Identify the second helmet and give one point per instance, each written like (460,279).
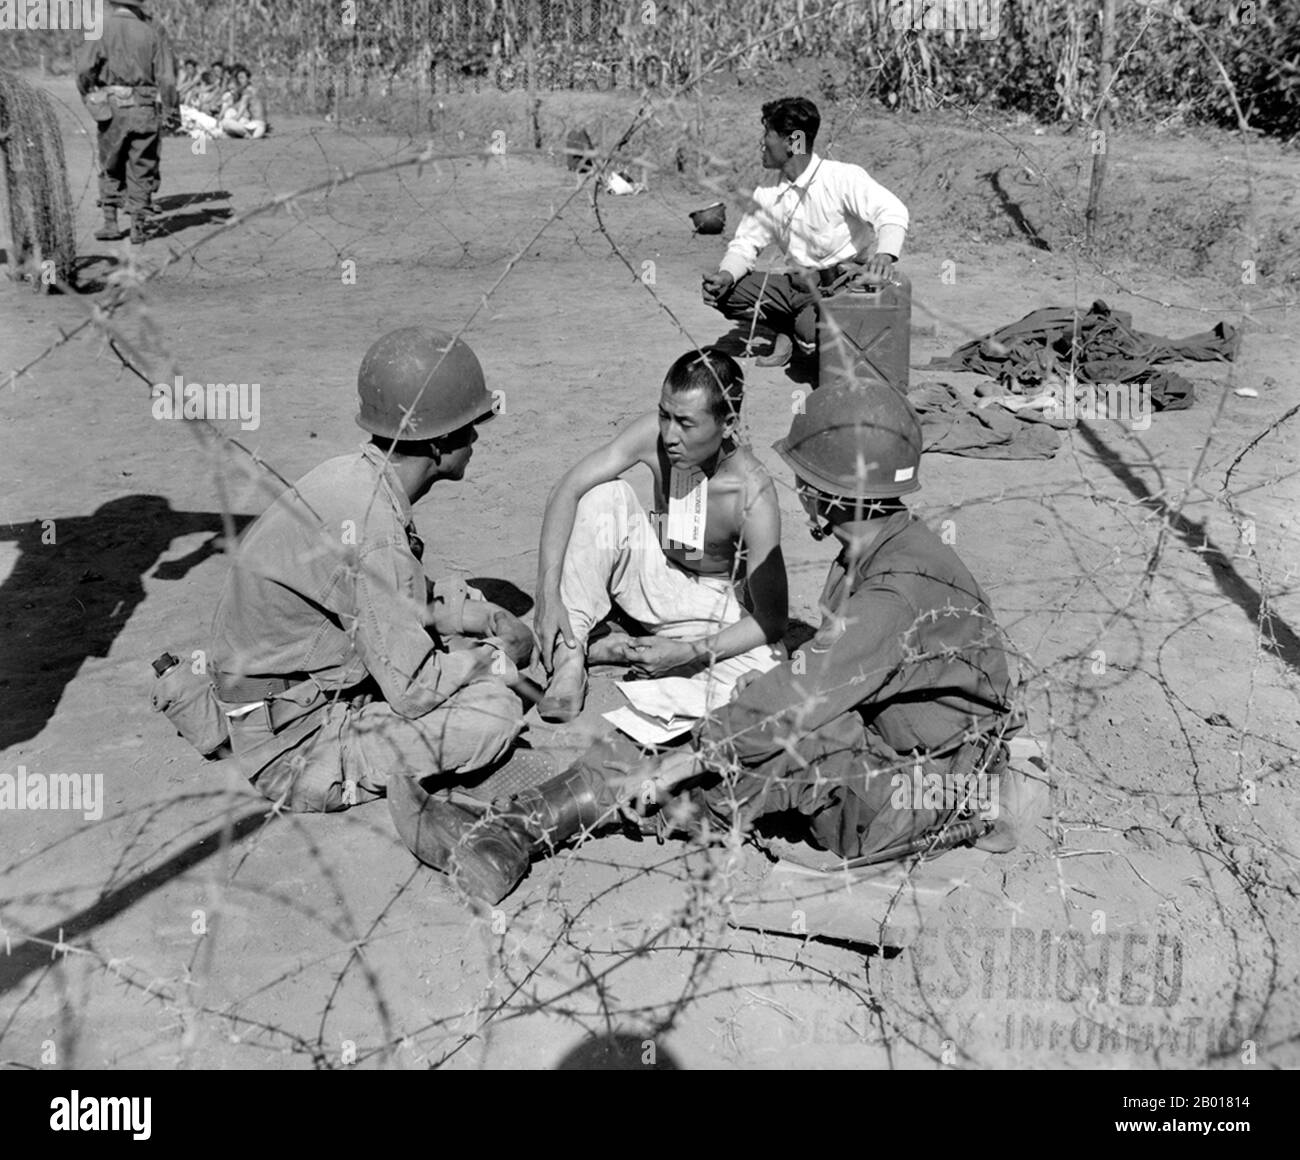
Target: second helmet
(858,440)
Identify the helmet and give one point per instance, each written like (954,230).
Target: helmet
(419,384)
(856,439)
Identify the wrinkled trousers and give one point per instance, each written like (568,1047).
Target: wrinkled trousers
(341,754)
(128,158)
(857,794)
(614,556)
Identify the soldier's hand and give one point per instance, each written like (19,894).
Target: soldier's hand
(514,634)
(717,286)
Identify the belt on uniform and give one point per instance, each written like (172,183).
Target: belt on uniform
(247,689)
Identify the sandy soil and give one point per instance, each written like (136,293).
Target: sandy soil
(1150,919)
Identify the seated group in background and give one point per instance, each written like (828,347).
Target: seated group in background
(220,101)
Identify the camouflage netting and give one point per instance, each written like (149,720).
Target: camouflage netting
(37,214)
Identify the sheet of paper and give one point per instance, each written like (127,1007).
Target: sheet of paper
(645,730)
(669,697)
(688,507)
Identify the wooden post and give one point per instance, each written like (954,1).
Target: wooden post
(1101,137)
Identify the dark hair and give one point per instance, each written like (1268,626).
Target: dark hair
(236,69)
(793,114)
(714,372)
(205,77)
(190,60)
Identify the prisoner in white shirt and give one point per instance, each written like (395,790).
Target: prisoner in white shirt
(828,218)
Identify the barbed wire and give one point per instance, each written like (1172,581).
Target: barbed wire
(700,916)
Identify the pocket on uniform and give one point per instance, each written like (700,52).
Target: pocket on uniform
(188,700)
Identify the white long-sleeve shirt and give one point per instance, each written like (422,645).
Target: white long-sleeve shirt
(818,219)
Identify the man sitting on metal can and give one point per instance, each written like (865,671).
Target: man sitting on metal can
(817,211)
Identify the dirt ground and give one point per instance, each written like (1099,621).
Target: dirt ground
(1149,921)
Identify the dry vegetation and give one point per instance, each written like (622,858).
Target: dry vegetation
(1043,59)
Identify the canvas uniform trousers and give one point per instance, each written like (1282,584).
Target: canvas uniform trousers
(128,158)
(342,751)
(614,556)
(844,779)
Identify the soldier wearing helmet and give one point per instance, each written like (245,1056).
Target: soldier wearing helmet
(908,670)
(335,662)
(128,80)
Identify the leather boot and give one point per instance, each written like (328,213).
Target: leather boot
(430,827)
(491,859)
(110,231)
(139,229)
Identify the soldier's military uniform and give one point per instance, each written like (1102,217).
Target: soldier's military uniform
(335,663)
(908,671)
(132,64)
(876,732)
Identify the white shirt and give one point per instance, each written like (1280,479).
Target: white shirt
(818,219)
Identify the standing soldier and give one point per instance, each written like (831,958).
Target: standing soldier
(126,77)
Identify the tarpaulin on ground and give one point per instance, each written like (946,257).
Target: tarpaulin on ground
(954,425)
(1099,346)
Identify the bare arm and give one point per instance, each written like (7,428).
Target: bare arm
(761,537)
(634,444)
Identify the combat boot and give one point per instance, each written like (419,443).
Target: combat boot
(430,827)
(110,231)
(493,856)
(138,228)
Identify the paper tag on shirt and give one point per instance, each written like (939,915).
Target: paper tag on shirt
(688,507)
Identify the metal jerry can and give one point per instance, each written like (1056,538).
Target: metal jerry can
(866,335)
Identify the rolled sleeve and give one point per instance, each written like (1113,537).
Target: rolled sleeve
(391,637)
(447,604)
(889,240)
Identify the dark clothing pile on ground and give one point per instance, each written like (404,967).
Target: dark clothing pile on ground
(1099,346)
(1041,352)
